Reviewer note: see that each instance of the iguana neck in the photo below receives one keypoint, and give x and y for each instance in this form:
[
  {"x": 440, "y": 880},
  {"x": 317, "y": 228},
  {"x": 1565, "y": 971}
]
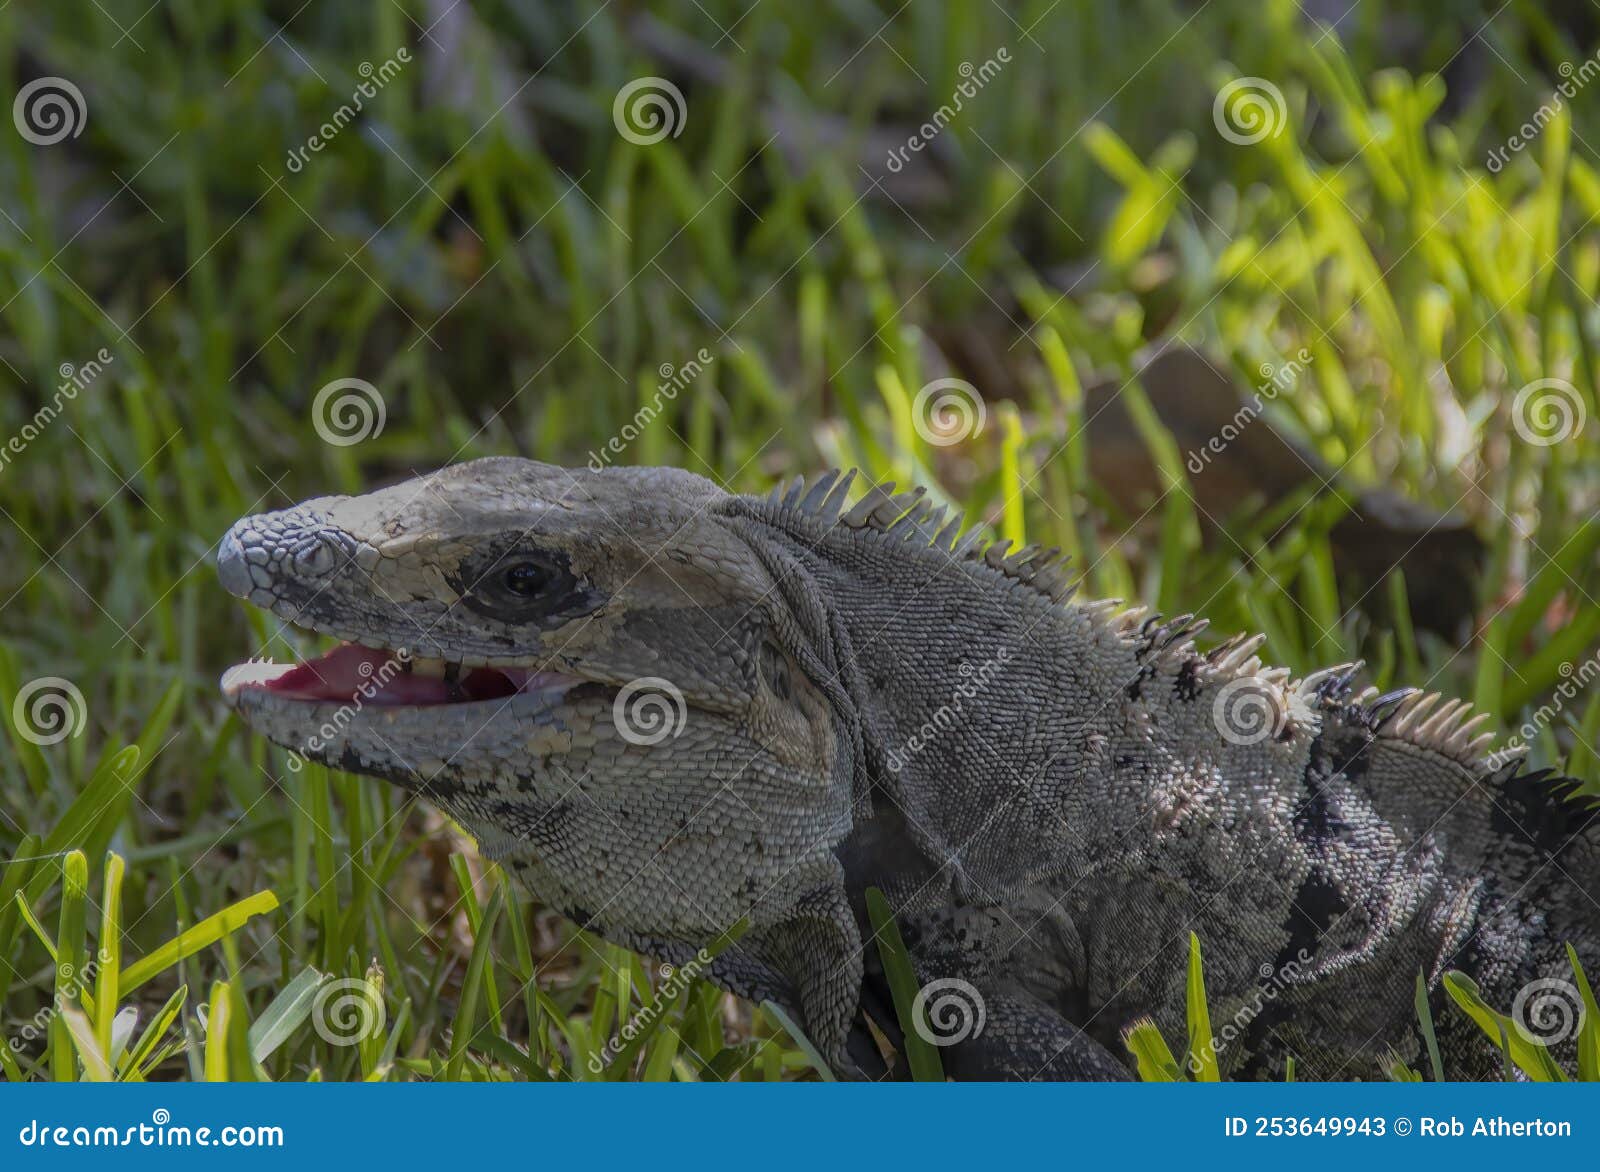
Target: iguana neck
[{"x": 1017, "y": 736}]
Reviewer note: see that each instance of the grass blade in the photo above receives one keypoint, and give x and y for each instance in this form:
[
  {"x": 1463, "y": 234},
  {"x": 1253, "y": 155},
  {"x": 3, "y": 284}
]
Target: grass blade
[
  {"x": 1201, "y": 1060},
  {"x": 920, "y": 1053},
  {"x": 207, "y": 932}
]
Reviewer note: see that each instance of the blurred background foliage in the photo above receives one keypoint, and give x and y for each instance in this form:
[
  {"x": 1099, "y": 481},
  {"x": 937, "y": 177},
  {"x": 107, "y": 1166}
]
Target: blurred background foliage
[{"x": 511, "y": 273}]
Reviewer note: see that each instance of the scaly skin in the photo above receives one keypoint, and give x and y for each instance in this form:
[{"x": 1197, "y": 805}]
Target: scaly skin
[{"x": 1050, "y": 794}]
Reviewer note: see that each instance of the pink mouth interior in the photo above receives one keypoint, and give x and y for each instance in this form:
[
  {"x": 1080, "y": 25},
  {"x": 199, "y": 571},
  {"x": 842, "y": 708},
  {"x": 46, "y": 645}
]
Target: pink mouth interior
[{"x": 351, "y": 672}]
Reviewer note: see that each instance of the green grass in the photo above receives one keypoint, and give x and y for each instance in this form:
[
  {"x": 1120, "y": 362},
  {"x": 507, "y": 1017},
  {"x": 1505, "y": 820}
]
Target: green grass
[{"x": 512, "y": 282}]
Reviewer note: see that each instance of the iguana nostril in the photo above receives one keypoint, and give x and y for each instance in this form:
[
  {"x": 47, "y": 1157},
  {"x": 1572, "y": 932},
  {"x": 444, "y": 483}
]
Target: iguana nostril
[{"x": 316, "y": 557}]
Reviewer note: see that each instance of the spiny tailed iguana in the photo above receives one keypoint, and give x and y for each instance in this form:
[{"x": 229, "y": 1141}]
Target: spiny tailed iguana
[{"x": 666, "y": 708}]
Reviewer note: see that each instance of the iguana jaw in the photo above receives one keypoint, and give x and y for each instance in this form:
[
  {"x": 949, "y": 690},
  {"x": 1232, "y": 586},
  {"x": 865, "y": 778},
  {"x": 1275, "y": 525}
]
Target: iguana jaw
[
  {"x": 353, "y": 672},
  {"x": 387, "y": 713}
]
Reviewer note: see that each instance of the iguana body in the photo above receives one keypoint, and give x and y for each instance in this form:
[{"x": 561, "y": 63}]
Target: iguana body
[{"x": 1050, "y": 794}]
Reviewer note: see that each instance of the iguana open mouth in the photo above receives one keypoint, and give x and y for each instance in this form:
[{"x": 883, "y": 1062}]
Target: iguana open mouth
[{"x": 351, "y": 673}]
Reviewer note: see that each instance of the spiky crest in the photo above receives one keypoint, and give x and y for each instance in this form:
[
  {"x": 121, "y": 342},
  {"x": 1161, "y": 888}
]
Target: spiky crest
[{"x": 1407, "y": 714}]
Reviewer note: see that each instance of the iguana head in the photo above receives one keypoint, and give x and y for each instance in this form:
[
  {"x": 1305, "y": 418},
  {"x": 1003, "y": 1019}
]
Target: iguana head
[{"x": 592, "y": 670}]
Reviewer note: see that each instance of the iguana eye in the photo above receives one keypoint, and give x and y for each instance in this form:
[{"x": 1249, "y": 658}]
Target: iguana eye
[
  {"x": 525, "y": 579},
  {"x": 510, "y": 583}
]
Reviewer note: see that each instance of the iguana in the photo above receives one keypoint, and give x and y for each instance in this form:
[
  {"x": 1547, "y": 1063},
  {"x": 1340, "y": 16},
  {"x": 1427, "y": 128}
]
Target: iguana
[{"x": 667, "y": 708}]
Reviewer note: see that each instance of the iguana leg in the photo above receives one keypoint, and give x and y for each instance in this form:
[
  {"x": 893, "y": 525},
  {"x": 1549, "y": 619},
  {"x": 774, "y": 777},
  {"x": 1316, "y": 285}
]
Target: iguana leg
[
  {"x": 818, "y": 950},
  {"x": 1024, "y": 1040},
  {"x": 991, "y": 1025}
]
